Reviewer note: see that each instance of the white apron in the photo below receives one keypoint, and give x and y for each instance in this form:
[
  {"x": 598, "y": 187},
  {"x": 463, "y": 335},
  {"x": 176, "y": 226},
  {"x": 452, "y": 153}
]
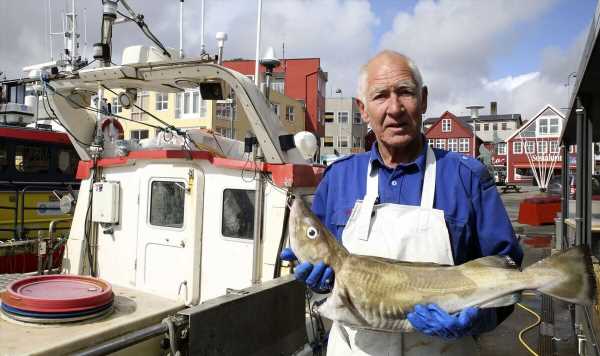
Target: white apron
[{"x": 402, "y": 232}]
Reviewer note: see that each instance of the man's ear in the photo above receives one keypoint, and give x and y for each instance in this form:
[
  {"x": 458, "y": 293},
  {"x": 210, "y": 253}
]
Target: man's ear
[
  {"x": 362, "y": 109},
  {"x": 424, "y": 93}
]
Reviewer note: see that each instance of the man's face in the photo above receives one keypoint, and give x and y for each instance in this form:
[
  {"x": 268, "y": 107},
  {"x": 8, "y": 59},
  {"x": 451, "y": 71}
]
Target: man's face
[{"x": 392, "y": 107}]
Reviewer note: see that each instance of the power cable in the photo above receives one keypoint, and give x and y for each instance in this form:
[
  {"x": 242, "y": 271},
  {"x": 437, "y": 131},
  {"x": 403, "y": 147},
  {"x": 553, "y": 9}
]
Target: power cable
[{"x": 537, "y": 322}]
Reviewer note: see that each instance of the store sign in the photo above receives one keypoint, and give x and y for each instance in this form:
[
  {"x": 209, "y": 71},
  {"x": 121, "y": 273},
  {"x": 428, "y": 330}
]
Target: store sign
[
  {"x": 542, "y": 158},
  {"x": 499, "y": 160}
]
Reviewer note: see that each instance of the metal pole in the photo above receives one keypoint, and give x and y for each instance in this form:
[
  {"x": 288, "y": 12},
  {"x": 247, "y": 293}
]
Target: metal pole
[
  {"x": 202, "y": 49},
  {"x": 50, "y": 30},
  {"x": 259, "y": 199},
  {"x": 583, "y": 192},
  {"x": 256, "y": 72},
  {"x": 181, "y": 29},
  {"x": 124, "y": 341},
  {"x": 565, "y": 196}
]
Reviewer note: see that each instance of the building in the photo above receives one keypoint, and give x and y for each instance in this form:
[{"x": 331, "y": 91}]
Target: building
[
  {"x": 344, "y": 129},
  {"x": 452, "y": 133},
  {"x": 493, "y": 128},
  {"x": 534, "y": 149},
  {"x": 187, "y": 110},
  {"x": 299, "y": 78}
]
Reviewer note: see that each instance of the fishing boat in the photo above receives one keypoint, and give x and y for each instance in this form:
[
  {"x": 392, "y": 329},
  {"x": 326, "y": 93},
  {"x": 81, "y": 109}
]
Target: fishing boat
[
  {"x": 37, "y": 166},
  {"x": 184, "y": 229}
]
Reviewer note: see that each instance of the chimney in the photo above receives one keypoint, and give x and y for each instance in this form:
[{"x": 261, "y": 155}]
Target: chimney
[{"x": 493, "y": 108}]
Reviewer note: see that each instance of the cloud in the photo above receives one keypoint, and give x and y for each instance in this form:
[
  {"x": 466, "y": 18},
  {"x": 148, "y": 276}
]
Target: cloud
[
  {"x": 337, "y": 31},
  {"x": 455, "y": 44}
]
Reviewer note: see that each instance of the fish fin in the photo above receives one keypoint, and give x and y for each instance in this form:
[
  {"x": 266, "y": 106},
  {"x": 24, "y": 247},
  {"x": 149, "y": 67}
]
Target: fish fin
[
  {"x": 493, "y": 261},
  {"x": 575, "y": 282},
  {"x": 509, "y": 299},
  {"x": 403, "y": 263}
]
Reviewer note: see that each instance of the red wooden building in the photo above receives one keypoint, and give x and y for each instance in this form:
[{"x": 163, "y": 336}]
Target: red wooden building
[
  {"x": 299, "y": 78},
  {"x": 452, "y": 133},
  {"x": 534, "y": 149}
]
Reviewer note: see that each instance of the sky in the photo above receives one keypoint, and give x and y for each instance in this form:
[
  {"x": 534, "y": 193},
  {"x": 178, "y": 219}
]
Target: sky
[{"x": 518, "y": 53}]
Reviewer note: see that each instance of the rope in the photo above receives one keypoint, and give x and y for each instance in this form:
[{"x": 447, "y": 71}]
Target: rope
[{"x": 537, "y": 322}]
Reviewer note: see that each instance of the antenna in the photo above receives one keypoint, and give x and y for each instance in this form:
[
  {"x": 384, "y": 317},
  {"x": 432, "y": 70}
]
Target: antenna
[
  {"x": 202, "y": 48},
  {"x": 50, "y": 30},
  {"x": 258, "y": 17},
  {"x": 85, "y": 43},
  {"x": 181, "y": 29}
]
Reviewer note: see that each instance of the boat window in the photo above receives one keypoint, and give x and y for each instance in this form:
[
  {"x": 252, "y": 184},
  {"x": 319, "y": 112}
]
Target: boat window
[
  {"x": 31, "y": 159},
  {"x": 167, "y": 202},
  {"x": 3, "y": 157},
  {"x": 238, "y": 214},
  {"x": 67, "y": 161}
]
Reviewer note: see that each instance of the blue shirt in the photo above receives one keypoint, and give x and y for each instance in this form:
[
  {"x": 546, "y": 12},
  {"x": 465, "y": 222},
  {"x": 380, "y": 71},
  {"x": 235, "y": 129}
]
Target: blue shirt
[{"x": 477, "y": 221}]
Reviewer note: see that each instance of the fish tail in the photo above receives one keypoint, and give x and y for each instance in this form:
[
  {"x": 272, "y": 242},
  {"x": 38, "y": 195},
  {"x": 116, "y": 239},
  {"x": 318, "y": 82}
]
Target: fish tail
[{"x": 572, "y": 274}]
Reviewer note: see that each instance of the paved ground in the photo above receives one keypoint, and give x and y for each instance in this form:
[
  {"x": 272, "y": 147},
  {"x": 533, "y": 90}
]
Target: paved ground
[{"x": 504, "y": 339}]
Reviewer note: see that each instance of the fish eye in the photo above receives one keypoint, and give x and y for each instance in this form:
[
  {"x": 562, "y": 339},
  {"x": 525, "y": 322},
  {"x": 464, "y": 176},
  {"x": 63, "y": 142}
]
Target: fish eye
[{"x": 312, "y": 233}]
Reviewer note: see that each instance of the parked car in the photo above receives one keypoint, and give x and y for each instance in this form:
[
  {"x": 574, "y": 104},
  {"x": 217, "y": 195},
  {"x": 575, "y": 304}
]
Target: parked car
[{"x": 555, "y": 185}]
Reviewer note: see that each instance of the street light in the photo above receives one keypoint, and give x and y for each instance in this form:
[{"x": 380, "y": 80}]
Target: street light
[
  {"x": 474, "y": 115},
  {"x": 572, "y": 74}
]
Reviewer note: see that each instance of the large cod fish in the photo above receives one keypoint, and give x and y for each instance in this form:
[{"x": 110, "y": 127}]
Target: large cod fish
[{"x": 376, "y": 293}]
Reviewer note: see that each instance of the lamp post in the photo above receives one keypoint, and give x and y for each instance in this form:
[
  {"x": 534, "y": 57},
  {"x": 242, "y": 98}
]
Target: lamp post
[{"x": 474, "y": 115}]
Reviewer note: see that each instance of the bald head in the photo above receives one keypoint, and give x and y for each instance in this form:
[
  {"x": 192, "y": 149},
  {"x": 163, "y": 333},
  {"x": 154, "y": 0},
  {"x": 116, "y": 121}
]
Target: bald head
[{"x": 387, "y": 57}]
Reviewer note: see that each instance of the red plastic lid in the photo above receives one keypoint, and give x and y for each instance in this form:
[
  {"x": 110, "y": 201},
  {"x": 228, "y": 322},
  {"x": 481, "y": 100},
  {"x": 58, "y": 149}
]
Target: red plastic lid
[{"x": 57, "y": 293}]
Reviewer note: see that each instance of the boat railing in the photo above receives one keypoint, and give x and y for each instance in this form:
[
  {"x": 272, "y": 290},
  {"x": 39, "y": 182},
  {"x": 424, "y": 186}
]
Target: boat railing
[{"x": 22, "y": 226}]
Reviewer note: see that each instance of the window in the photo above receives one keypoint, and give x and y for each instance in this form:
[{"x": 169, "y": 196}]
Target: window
[
  {"x": 3, "y": 157},
  {"x": 142, "y": 102},
  {"x": 495, "y": 126},
  {"x": 276, "y": 108},
  {"x": 529, "y": 147},
  {"x": 517, "y": 147},
  {"x": 178, "y": 105},
  {"x": 356, "y": 118},
  {"x": 486, "y": 127},
  {"x": 138, "y": 134},
  {"x": 343, "y": 117},
  {"x": 542, "y": 146},
  {"x": 440, "y": 143},
  {"x": 453, "y": 144},
  {"x": 501, "y": 148},
  {"x": 463, "y": 145},
  {"x": 115, "y": 106},
  {"x": 477, "y": 127},
  {"x": 328, "y": 141},
  {"x": 343, "y": 141},
  {"x": 226, "y": 132},
  {"x": 223, "y": 111},
  {"x": 238, "y": 214},
  {"x": 543, "y": 126},
  {"x": 290, "y": 113},
  {"x": 167, "y": 203},
  {"x": 554, "y": 126},
  {"x": 431, "y": 142},
  {"x": 446, "y": 125},
  {"x": 195, "y": 101},
  {"x": 329, "y": 116},
  {"x": 67, "y": 161},
  {"x": 32, "y": 159},
  {"x": 504, "y": 126},
  {"x": 278, "y": 85},
  {"x": 162, "y": 101},
  {"x": 554, "y": 147},
  {"x": 356, "y": 141}
]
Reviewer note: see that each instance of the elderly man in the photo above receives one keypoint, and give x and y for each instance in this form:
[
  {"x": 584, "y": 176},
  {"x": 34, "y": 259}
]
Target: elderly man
[{"x": 407, "y": 201}]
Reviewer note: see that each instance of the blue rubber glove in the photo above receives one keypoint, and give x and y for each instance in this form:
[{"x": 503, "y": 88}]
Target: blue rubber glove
[
  {"x": 432, "y": 320},
  {"x": 318, "y": 277}
]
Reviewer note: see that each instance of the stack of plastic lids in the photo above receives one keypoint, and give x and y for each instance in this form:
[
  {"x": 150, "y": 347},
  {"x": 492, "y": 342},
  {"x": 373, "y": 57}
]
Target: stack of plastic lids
[{"x": 57, "y": 299}]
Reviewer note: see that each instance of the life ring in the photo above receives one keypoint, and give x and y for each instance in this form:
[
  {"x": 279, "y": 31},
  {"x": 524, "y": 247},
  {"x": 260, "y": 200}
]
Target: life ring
[{"x": 111, "y": 122}]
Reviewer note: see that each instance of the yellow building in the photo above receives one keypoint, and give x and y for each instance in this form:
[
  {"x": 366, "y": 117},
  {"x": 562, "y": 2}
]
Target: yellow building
[{"x": 187, "y": 110}]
